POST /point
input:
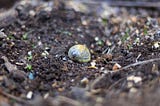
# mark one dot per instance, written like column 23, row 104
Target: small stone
column 29, row 95
column 23, row 26
column 133, row 90
column 32, row 13
column 54, row 85
column 84, row 22
column 2, row 34
column 93, row 65
column 136, row 79
column 155, row 68
column 72, row 80
column 108, row 43
column 30, row 53
column 99, row 100
column 85, row 81
column 48, row 9
column 45, row 53
column 116, row 67
column 61, row 89
column 156, row 45
column 46, row 96
column 96, row 39
column 130, row 84
column 64, row 58
column 31, row 76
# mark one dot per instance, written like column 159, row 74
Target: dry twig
column 126, row 67
column 117, row 82
column 13, row 97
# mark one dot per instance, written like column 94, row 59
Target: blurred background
column 101, row 8
column 148, row 3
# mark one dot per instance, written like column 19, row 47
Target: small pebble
column 133, row 90
column 2, row 34
column 96, row 38
column 44, row 54
column 31, row 76
column 46, row 96
column 99, row 99
column 32, row 13
column 72, row 80
column 54, row 85
column 29, row 95
column 64, row 58
column 130, row 84
column 85, row 81
column 61, row 89
column 136, row 79
column 116, row 67
column 156, row 45
column 93, row 65
column 30, row 53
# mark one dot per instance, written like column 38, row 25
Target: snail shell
column 79, row 53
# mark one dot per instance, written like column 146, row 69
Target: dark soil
column 34, row 58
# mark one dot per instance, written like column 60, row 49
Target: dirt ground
column 35, row 68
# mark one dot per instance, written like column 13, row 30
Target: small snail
column 79, row 53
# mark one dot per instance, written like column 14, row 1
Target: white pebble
column 32, row 13
column 29, row 95
column 133, row 90
column 136, row 79
column 46, row 95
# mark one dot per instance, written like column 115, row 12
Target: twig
column 96, row 81
column 114, row 84
column 139, row 55
column 13, row 97
column 137, row 63
column 128, row 66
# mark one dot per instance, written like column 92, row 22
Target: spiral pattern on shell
column 79, row 53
